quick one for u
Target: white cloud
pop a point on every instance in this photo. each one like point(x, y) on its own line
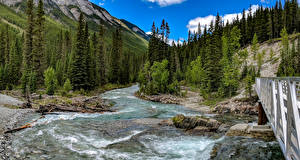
point(149, 33)
point(164, 3)
point(179, 41)
point(101, 3)
point(265, 1)
point(193, 24)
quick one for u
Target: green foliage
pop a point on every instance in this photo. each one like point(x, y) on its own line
point(289, 57)
point(78, 67)
point(24, 82)
point(116, 57)
point(50, 81)
point(160, 76)
point(32, 80)
point(249, 82)
point(67, 86)
point(254, 46)
point(231, 64)
point(260, 61)
point(59, 49)
point(196, 75)
point(3, 77)
point(271, 58)
point(155, 79)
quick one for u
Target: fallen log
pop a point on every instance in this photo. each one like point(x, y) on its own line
point(18, 129)
point(28, 125)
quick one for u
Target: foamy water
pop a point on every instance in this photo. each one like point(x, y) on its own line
point(112, 135)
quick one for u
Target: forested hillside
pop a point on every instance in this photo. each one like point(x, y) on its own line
point(214, 59)
point(37, 50)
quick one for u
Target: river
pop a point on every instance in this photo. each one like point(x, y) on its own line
point(130, 133)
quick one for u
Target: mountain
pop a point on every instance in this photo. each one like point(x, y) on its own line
point(66, 12)
point(136, 29)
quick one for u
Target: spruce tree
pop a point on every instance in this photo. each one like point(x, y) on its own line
point(254, 46)
point(38, 42)
point(89, 65)
point(100, 56)
point(7, 45)
point(116, 56)
point(50, 81)
point(14, 63)
point(27, 62)
point(2, 48)
point(78, 72)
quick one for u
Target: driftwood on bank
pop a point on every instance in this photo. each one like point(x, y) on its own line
point(28, 125)
point(18, 129)
point(79, 104)
point(46, 109)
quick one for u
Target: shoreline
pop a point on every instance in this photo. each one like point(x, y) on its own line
point(191, 101)
point(10, 118)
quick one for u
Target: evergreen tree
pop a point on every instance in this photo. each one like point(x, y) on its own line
point(254, 46)
point(14, 63)
point(50, 81)
point(67, 86)
point(7, 45)
point(285, 68)
point(2, 48)
point(100, 56)
point(230, 78)
point(27, 63)
point(78, 74)
point(125, 69)
point(38, 42)
point(89, 64)
point(32, 81)
point(116, 56)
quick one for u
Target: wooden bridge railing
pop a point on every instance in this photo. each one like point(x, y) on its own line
point(280, 98)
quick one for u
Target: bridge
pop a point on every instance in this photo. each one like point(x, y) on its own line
point(280, 104)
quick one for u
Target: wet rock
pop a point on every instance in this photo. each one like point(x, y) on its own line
point(262, 131)
point(223, 128)
point(167, 122)
point(197, 124)
point(162, 98)
point(238, 130)
point(244, 148)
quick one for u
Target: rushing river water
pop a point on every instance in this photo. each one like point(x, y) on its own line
point(130, 133)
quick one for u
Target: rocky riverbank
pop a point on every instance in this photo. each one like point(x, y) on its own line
point(161, 98)
point(203, 126)
point(9, 119)
point(237, 106)
point(191, 99)
point(13, 117)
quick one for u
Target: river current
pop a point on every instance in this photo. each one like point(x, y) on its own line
point(130, 133)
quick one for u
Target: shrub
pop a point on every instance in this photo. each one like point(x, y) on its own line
point(50, 81)
point(67, 86)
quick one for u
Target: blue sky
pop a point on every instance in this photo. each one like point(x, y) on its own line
point(182, 15)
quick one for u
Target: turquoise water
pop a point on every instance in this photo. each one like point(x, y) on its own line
point(113, 135)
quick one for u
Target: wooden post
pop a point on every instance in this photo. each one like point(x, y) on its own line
point(262, 118)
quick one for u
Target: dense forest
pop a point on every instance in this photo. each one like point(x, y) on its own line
point(80, 59)
point(214, 60)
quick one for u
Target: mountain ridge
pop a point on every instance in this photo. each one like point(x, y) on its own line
point(72, 8)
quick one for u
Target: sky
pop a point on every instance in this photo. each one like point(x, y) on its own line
point(182, 15)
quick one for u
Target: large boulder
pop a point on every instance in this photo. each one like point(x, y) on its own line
point(198, 123)
point(264, 132)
